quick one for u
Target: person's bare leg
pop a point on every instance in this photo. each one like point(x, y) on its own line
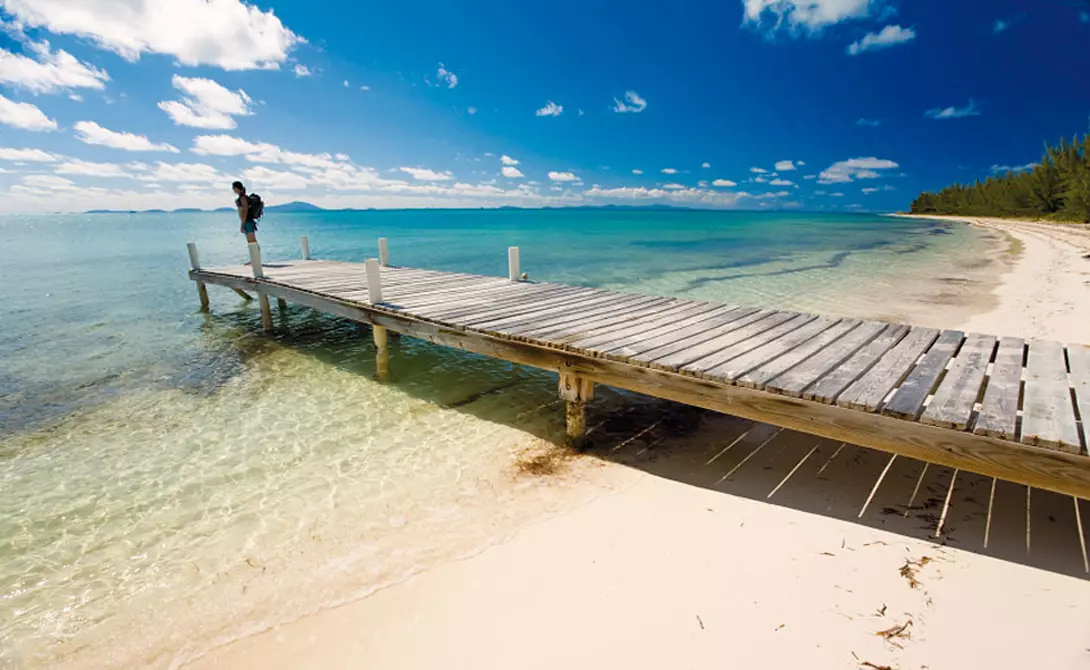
point(251, 237)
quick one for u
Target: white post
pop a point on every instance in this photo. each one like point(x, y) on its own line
point(255, 260)
point(382, 352)
point(262, 297)
point(383, 252)
point(195, 263)
point(374, 280)
point(513, 263)
point(306, 248)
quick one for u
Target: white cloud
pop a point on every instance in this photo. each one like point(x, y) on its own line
point(637, 171)
point(90, 132)
point(688, 196)
point(705, 165)
point(673, 186)
point(49, 71)
point(954, 112)
point(229, 34)
point(724, 183)
point(761, 180)
point(471, 110)
point(800, 163)
point(757, 170)
point(48, 181)
point(869, 123)
point(74, 166)
point(345, 83)
point(550, 109)
point(206, 104)
point(368, 88)
point(810, 176)
point(24, 115)
point(262, 152)
point(836, 195)
point(781, 182)
point(511, 172)
point(632, 103)
point(868, 191)
point(669, 171)
point(703, 183)
point(887, 37)
point(563, 176)
point(804, 16)
point(507, 160)
point(424, 174)
point(785, 166)
point(26, 155)
point(1003, 169)
point(186, 173)
point(302, 71)
point(259, 177)
point(854, 168)
point(447, 77)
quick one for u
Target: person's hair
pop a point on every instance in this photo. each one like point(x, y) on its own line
point(239, 186)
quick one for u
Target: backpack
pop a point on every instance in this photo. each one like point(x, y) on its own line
point(256, 207)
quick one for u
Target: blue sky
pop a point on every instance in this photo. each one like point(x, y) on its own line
point(809, 104)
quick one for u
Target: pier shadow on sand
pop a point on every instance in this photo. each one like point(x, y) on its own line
point(697, 447)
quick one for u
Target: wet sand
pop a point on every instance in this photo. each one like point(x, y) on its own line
point(760, 554)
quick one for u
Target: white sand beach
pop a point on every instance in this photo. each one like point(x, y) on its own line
point(692, 556)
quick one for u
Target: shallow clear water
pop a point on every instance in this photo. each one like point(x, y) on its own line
point(169, 479)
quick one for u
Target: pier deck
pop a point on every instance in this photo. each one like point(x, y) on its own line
point(997, 406)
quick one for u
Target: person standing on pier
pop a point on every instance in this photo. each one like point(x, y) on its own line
point(249, 211)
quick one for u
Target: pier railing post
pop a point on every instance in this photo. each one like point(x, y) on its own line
point(513, 263)
point(383, 252)
point(306, 247)
point(374, 280)
point(576, 391)
point(195, 263)
point(262, 297)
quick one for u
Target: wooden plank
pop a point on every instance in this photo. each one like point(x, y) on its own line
point(706, 363)
point(491, 296)
point(759, 377)
point(956, 396)
point(534, 311)
point(1048, 415)
point(998, 415)
point(605, 340)
point(909, 398)
point(799, 378)
point(770, 351)
point(1078, 359)
point(683, 354)
point(584, 303)
point(730, 325)
point(871, 387)
point(560, 331)
point(671, 332)
point(500, 300)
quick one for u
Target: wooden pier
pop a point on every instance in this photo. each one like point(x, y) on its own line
point(997, 406)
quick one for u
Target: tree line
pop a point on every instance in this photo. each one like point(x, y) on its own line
point(1056, 188)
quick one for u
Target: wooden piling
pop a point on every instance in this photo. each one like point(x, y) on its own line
point(305, 243)
point(374, 281)
point(383, 252)
point(281, 304)
point(195, 263)
point(382, 352)
point(513, 263)
point(262, 297)
point(576, 391)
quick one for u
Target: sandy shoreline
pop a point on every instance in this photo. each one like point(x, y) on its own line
point(685, 564)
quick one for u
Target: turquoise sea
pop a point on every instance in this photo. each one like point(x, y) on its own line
point(170, 480)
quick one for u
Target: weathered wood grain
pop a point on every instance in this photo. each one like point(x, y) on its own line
point(682, 356)
point(760, 376)
point(909, 398)
point(954, 399)
point(1048, 415)
point(770, 351)
point(703, 366)
point(1078, 359)
point(795, 380)
point(998, 415)
point(871, 388)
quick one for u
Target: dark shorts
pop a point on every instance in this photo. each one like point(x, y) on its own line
point(249, 227)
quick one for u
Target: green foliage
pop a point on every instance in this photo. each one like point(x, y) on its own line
point(1056, 188)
